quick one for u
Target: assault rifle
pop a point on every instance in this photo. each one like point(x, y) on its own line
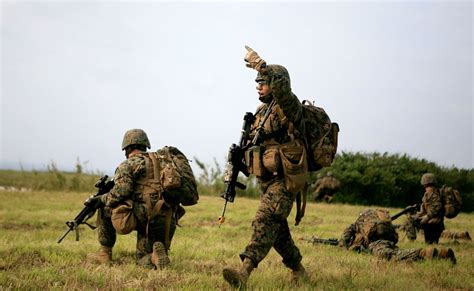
point(408, 209)
point(235, 158)
point(315, 240)
point(104, 186)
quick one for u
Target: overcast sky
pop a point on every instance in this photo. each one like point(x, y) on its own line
point(396, 76)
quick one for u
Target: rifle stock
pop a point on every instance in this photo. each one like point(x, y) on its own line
point(104, 186)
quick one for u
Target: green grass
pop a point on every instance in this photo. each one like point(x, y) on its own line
point(30, 258)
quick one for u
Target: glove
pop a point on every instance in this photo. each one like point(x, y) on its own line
point(253, 60)
point(96, 202)
point(424, 219)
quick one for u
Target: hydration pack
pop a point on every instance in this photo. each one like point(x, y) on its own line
point(452, 201)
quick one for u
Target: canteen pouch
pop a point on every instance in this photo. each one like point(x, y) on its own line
point(123, 219)
point(271, 160)
point(295, 166)
point(253, 158)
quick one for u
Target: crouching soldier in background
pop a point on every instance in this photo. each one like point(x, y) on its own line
point(325, 187)
point(136, 203)
point(373, 232)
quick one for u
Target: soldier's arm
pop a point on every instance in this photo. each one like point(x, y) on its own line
point(123, 187)
point(435, 205)
point(348, 236)
point(284, 97)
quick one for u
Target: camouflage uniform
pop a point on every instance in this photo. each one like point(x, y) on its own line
point(432, 207)
point(127, 173)
point(411, 227)
point(325, 188)
point(461, 235)
point(374, 233)
point(270, 226)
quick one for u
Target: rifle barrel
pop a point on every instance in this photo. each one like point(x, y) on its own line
point(64, 235)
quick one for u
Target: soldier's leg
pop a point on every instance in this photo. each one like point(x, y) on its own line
point(107, 237)
point(410, 228)
point(383, 249)
point(462, 235)
point(388, 250)
point(448, 234)
point(432, 232)
point(162, 232)
point(275, 206)
point(287, 249)
point(143, 249)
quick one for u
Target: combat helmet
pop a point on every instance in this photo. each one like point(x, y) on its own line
point(428, 178)
point(135, 137)
point(274, 70)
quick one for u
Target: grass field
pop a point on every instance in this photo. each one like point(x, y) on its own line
point(30, 258)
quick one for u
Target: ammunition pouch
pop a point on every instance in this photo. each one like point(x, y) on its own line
point(271, 159)
point(253, 159)
point(295, 165)
point(123, 218)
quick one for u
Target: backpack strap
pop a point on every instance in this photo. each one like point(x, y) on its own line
point(152, 185)
point(301, 207)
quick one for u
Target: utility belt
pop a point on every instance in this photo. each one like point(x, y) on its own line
point(273, 159)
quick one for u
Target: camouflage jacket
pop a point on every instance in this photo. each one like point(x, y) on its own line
point(432, 206)
point(287, 109)
point(329, 183)
point(125, 176)
point(282, 124)
point(371, 225)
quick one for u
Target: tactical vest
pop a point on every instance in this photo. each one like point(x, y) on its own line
point(281, 153)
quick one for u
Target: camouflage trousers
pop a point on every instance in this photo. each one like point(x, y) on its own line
point(387, 250)
point(463, 235)
point(156, 232)
point(270, 227)
point(432, 232)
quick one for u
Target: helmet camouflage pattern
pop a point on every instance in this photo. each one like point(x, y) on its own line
point(135, 137)
point(428, 178)
point(275, 70)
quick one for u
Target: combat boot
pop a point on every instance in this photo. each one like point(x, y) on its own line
point(159, 257)
point(298, 273)
point(103, 256)
point(238, 278)
point(447, 254)
point(463, 235)
point(429, 253)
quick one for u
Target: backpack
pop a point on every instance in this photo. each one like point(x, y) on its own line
point(452, 201)
point(177, 177)
point(375, 225)
point(320, 136)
